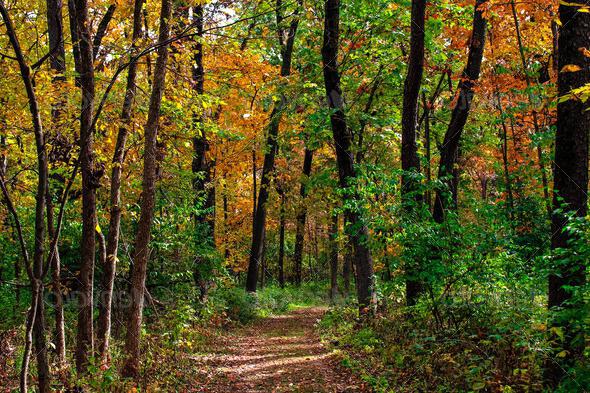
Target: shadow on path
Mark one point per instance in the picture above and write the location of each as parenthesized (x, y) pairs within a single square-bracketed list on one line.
[(277, 354)]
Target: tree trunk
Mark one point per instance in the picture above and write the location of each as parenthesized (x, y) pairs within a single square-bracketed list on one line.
[(450, 151), (570, 182), (427, 194), (410, 161), (286, 40), (302, 216), (541, 163), (112, 247), (282, 241), (142, 239), (347, 269), (202, 168), (90, 181), (58, 65), (334, 258), (357, 230), (36, 320)]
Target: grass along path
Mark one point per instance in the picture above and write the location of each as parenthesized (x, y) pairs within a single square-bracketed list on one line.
[(276, 354)]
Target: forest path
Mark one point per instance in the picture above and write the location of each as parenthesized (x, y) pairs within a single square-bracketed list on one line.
[(276, 354)]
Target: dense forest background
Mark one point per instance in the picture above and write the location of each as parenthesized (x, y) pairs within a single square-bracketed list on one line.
[(174, 168)]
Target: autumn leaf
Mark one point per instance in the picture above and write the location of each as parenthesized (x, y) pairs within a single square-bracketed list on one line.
[(571, 68)]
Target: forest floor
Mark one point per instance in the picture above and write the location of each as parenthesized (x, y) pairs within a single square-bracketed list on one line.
[(276, 354)]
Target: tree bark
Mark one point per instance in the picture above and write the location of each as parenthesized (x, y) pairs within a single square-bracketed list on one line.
[(409, 153), (143, 236), (357, 230), (202, 167), (282, 240), (570, 182), (286, 39), (36, 319), (109, 268), (302, 216), (90, 182), (450, 150), (410, 185), (334, 257), (58, 65)]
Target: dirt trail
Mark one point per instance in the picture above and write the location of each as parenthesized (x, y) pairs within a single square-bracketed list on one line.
[(277, 354)]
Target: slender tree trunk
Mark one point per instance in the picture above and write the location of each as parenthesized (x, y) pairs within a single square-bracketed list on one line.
[(58, 65), (570, 184), (286, 40), (539, 149), (112, 246), (334, 257), (142, 240), (90, 181), (302, 216), (347, 269), (428, 169), (507, 178), (410, 160), (282, 241), (36, 320), (470, 75), (225, 222), (357, 230), (254, 187), (202, 168)]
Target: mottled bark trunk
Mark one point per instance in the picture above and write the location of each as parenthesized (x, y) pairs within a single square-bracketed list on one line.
[(357, 230), (450, 151), (301, 217), (570, 183), (143, 236), (112, 246)]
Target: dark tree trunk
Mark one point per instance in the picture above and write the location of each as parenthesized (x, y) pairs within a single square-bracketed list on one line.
[(286, 40), (357, 230), (410, 161), (35, 330), (347, 269), (142, 239), (74, 38), (334, 257), (450, 150), (428, 154), (570, 181), (90, 182), (58, 65), (112, 246), (202, 168), (282, 241), (301, 217)]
